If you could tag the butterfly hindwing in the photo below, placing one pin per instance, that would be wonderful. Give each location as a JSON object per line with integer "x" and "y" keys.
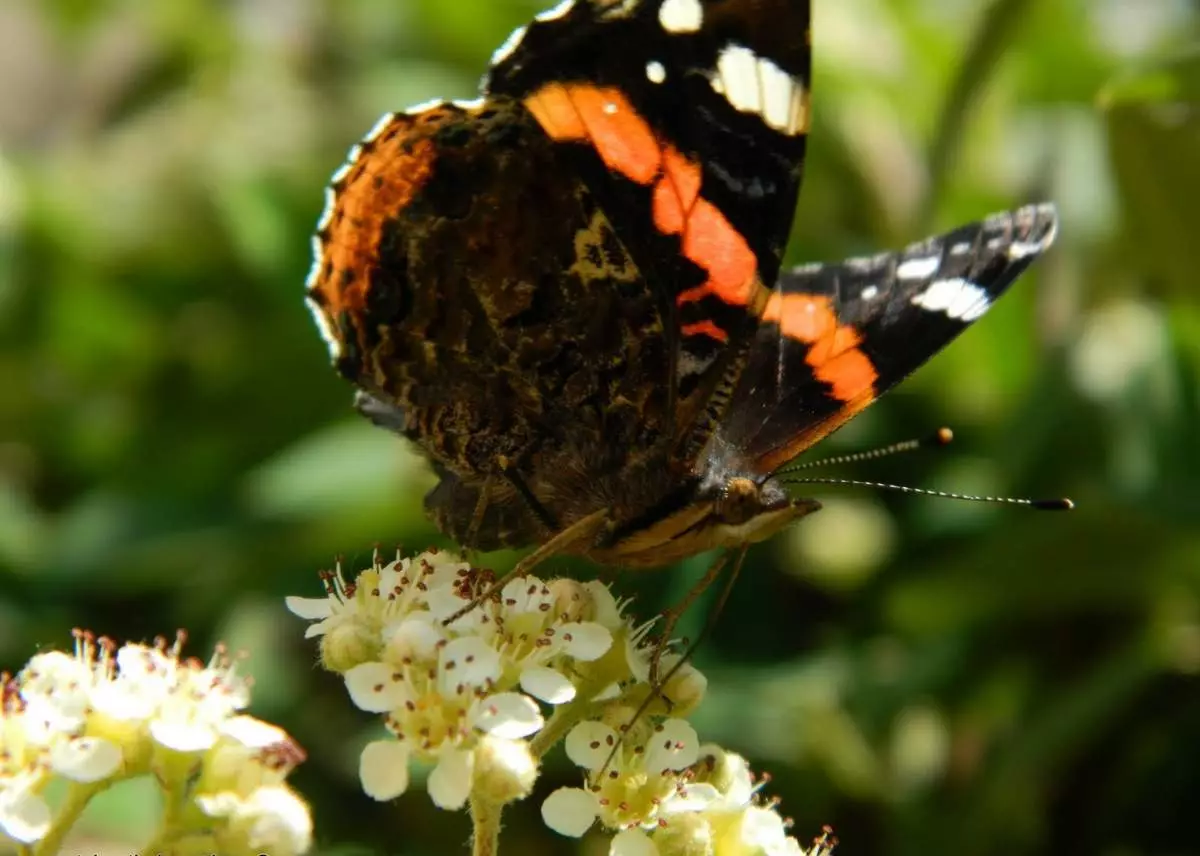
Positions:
{"x": 835, "y": 337}
{"x": 687, "y": 119}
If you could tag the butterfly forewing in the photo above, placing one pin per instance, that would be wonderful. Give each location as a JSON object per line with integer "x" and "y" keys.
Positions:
{"x": 688, "y": 119}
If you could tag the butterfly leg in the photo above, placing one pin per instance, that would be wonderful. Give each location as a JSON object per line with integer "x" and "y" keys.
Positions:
{"x": 477, "y": 515}
{"x": 672, "y": 615}
{"x": 581, "y": 531}
{"x": 657, "y": 687}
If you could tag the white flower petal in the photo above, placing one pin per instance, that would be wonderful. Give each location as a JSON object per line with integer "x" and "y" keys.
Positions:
{"x": 183, "y": 735}
{"x": 24, "y": 816}
{"x": 374, "y": 687}
{"x": 254, "y": 733}
{"x": 445, "y": 601}
{"x": 590, "y": 743}
{"x": 125, "y": 701}
{"x": 318, "y": 629}
{"x": 509, "y": 715}
{"x": 585, "y": 640}
{"x": 570, "y": 811}
{"x": 278, "y": 821}
{"x": 673, "y": 746}
{"x": 526, "y": 594}
{"x": 740, "y": 787}
{"x": 441, "y": 568}
{"x": 450, "y": 782}
{"x": 763, "y": 828}
{"x": 605, "y": 609}
{"x": 221, "y": 804}
{"x": 85, "y": 759}
{"x": 696, "y": 796}
{"x": 547, "y": 684}
{"x": 142, "y": 663}
{"x": 632, "y": 842}
{"x": 309, "y": 608}
{"x": 416, "y": 637}
{"x": 383, "y": 769}
{"x": 468, "y": 660}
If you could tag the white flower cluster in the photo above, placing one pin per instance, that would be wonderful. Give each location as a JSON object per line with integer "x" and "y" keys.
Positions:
{"x": 468, "y": 697}
{"x": 670, "y": 797}
{"x": 105, "y": 714}
{"x": 443, "y": 688}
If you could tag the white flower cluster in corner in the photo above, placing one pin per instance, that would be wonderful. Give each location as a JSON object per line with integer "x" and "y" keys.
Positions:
{"x": 105, "y": 714}
{"x": 464, "y": 695}
{"x": 669, "y": 796}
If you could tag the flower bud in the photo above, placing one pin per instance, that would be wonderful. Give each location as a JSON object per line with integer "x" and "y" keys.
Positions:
{"x": 505, "y": 770}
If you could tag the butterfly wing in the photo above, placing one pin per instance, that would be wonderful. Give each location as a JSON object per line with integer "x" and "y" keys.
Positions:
{"x": 687, "y": 119}
{"x": 835, "y": 337}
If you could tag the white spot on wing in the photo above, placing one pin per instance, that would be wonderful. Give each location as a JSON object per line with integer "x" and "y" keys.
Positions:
{"x": 510, "y": 44}
{"x": 318, "y": 251}
{"x": 327, "y": 214}
{"x": 417, "y": 109}
{"x": 681, "y": 16}
{"x": 318, "y": 314}
{"x": 621, "y": 10}
{"x": 342, "y": 171}
{"x": 655, "y": 71}
{"x": 378, "y": 127}
{"x": 468, "y": 104}
{"x": 1018, "y": 250}
{"x": 869, "y": 293}
{"x": 555, "y": 13}
{"x": 754, "y": 84}
{"x": 918, "y": 268}
{"x": 960, "y": 249}
{"x": 956, "y": 297}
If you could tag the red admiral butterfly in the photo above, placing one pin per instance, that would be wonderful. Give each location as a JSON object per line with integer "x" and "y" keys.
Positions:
{"x": 569, "y": 293}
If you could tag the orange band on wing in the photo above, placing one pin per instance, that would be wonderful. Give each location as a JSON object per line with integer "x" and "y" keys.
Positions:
{"x": 833, "y": 351}
{"x": 705, "y": 328}
{"x": 629, "y": 147}
{"x": 605, "y": 117}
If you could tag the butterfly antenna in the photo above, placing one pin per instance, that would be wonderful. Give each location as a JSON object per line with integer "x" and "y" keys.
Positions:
{"x": 1060, "y": 504}
{"x": 940, "y": 437}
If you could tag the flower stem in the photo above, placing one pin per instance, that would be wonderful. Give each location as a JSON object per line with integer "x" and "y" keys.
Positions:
{"x": 560, "y": 722}
{"x": 78, "y": 796}
{"x": 485, "y": 821}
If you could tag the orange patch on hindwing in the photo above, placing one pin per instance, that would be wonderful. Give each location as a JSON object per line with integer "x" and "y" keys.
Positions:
{"x": 371, "y": 192}
{"x": 625, "y": 142}
{"x": 706, "y": 328}
{"x": 833, "y": 352}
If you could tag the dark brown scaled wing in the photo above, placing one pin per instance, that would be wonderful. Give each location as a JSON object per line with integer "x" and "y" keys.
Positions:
{"x": 835, "y": 337}
{"x": 687, "y": 119}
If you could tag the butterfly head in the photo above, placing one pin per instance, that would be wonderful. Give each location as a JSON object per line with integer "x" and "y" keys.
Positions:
{"x": 729, "y": 512}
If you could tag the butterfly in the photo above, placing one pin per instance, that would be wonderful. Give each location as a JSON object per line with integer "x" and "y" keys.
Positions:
{"x": 569, "y": 293}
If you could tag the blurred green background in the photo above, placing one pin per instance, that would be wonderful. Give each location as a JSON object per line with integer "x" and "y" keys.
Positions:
{"x": 929, "y": 677}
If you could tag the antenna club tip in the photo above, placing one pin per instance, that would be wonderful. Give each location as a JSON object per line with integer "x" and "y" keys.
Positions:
{"x": 1061, "y": 504}
{"x": 943, "y": 436}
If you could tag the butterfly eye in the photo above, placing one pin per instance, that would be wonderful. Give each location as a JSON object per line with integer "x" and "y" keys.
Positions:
{"x": 738, "y": 501}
